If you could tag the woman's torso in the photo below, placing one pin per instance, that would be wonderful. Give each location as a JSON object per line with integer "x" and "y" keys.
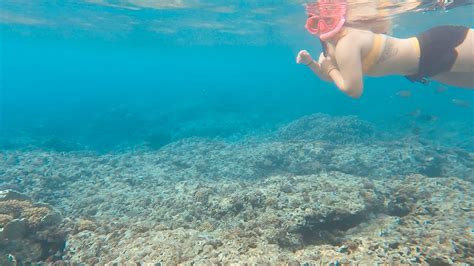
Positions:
{"x": 383, "y": 55}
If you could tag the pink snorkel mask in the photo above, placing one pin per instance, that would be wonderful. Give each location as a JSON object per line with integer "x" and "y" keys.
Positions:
{"x": 326, "y": 18}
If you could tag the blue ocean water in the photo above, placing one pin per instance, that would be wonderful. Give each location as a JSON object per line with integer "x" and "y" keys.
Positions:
{"x": 107, "y": 73}
{"x": 184, "y": 132}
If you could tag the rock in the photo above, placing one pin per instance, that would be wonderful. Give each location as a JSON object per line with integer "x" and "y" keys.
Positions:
{"x": 13, "y": 195}
{"x": 52, "y": 218}
{"x": 15, "y": 229}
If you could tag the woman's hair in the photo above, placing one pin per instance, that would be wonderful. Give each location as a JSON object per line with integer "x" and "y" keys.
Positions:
{"x": 377, "y": 15}
{"x": 382, "y": 26}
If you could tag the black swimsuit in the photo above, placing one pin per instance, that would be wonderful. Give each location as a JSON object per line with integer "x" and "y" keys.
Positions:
{"x": 437, "y": 50}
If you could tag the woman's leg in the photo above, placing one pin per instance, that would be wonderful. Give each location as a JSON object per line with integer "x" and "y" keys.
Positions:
{"x": 462, "y": 72}
{"x": 465, "y": 59}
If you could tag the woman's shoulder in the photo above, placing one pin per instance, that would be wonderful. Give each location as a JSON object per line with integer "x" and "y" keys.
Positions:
{"x": 354, "y": 32}
{"x": 356, "y": 37}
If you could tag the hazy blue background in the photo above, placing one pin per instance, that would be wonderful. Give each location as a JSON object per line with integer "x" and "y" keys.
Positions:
{"x": 105, "y": 74}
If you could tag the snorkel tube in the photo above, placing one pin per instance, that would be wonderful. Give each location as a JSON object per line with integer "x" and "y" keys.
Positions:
{"x": 324, "y": 46}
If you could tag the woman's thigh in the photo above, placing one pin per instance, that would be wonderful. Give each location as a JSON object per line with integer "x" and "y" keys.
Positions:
{"x": 465, "y": 59}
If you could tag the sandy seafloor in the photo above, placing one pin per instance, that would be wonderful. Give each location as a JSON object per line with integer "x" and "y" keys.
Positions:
{"x": 317, "y": 190}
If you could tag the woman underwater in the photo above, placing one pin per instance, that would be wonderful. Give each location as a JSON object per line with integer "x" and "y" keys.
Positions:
{"x": 444, "y": 53}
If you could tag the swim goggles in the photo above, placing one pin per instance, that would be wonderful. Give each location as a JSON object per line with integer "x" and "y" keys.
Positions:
{"x": 326, "y": 18}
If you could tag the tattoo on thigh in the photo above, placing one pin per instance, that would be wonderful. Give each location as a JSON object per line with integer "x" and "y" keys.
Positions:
{"x": 389, "y": 51}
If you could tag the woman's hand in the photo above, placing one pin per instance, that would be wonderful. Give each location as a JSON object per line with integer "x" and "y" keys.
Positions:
{"x": 326, "y": 61}
{"x": 326, "y": 64}
{"x": 304, "y": 58}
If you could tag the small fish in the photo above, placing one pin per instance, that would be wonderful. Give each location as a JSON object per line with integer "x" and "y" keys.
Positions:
{"x": 404, "y": 93}
{"x": 416, "y": 130}
{"x": 441, "y": 89}
{"x": 415, "y": 113}
{"x": 428, "y": 118}
{"x": 461, "y": 103}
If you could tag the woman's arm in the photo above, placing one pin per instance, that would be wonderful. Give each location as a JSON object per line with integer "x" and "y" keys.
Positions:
{"x": 353, "y": 89}
{"x": 348, "y": 78}
{"x": 306, "y": 59}
{"x": 348, "y": 74}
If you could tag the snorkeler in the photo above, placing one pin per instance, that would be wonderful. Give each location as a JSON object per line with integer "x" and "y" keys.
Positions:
{"x": 443, "y": 53}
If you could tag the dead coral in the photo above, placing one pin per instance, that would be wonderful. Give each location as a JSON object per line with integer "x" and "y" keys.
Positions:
{"x": 85, "y": 225}
{"x": 24, "y": 209}
{"x": 13, "y": 208}
{"x": 4, "y": 219}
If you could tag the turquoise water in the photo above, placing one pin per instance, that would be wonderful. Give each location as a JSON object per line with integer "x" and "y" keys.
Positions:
{"x": 183, "y": 131}
{"x": 104, "y": 73}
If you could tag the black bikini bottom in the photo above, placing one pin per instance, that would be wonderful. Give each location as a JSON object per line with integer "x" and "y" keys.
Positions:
{"x": 437, "y": 50}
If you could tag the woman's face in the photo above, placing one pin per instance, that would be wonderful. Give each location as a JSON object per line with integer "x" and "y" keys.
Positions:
{"x": 325, "y": 18}
{"x": 321, "y": 23}
{"x": 317, "y": 24}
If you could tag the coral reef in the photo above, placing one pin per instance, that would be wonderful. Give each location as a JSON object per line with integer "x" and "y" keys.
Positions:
{"x": 346, "y": 129}
{"x": 302, "y": 194}
{"x": 29, "y": 232}
{"x": 282, "y": 219}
